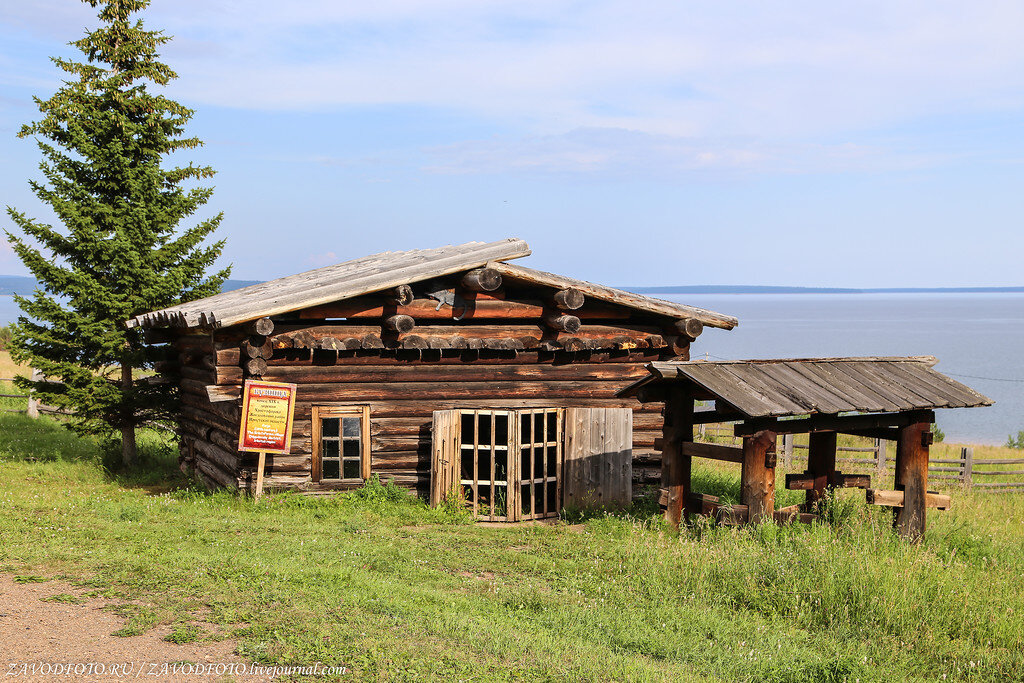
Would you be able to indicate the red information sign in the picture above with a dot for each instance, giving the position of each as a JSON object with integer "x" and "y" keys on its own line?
{"x": 267, "y": 410}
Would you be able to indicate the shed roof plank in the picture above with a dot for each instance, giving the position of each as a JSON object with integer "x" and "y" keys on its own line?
{"x": 792, "y": 387}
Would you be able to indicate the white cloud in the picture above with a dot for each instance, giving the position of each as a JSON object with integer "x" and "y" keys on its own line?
{"x": 687, "y": 74}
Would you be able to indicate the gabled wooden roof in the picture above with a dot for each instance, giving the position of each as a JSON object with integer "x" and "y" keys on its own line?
{"x": 364, "y": 275}
{"x": 390, "y": 269}
{"x": 790, "y": 387}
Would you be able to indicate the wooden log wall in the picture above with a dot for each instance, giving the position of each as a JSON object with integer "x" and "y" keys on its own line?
{"x": 503, "y": 355}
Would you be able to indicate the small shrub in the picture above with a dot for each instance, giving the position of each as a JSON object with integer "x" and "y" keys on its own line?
{"x": 30, "y": 578}
{"x": 938, "y": 435}
{"x": 1015, "y": 441}
{"x": 184, "y": 633}
{"x": 5, "y": 338}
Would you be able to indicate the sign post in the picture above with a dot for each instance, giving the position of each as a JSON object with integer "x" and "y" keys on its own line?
{"x": 267, "y": 412}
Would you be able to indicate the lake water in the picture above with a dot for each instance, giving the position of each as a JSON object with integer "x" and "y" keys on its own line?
{"x": 978, "y": 339}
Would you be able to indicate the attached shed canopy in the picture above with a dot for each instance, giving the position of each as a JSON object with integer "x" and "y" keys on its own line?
{"x": 792, "y": 387}
{"x": 391, "y": 269}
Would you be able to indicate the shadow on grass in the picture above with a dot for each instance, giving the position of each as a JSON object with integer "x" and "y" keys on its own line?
{"x": 47, "y": 440}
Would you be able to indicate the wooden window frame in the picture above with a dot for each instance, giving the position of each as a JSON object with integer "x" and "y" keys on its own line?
{"x": 339, "y": 411}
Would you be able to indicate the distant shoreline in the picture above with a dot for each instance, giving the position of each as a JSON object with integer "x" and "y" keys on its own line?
{"x": 20, "y": 284}
{"x": 754, "y": 289}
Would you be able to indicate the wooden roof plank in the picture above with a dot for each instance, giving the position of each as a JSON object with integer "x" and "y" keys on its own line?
{"x": 735, "y": 392}
{"x": 823, "y": 401}
{"x": 958, "y": 394}
{"x": 874, "y": 401}
{"x": 617, "y": 296}
{"x": 784, "y": 399}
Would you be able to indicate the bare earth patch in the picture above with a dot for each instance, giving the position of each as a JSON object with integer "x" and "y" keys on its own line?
{"x": 54, "y": 623}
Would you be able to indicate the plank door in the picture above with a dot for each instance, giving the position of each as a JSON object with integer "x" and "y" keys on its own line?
{"x": 598, "y": 469}
{"x": 444, "y": 459}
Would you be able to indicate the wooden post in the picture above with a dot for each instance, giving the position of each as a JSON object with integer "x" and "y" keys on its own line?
{"x": 787, "y": 451}
{"x": 482, "y": 280}
{"x": 912, "y": 479}
{"x": 675, "y": 467}
{"x": 880, "y": 462}
{"x": 258, "y": 492}
{"x": 967, "y": 460}
{"x": 821, "y": 464}
{"x": 33, "y": 403}
{"x": 399, "y": 323}
{"x": 757, "y": 484}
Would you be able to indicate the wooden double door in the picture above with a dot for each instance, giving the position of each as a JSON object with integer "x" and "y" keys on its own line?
{"x": 527, "y": 463}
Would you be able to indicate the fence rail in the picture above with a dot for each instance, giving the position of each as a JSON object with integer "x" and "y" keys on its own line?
{"x": 32, "y": 407}
{"x": 963, "y": 469}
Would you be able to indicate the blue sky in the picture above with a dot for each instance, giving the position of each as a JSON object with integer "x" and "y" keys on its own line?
{"x": 643, "y": 143}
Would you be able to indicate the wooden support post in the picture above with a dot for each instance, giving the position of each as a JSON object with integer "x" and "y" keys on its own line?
{"x": 821, "y": 464}
{"x": 912, "y": 479}
{"x": 675, "y": 466}
{"x": 757, "y": 483}
{"x": 258, "y": 491}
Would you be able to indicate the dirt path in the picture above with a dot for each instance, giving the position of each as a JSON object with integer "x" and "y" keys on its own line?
{"x": 49, "y": 635}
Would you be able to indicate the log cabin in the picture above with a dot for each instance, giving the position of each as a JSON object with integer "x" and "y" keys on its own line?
{"x": 447, "y": 369}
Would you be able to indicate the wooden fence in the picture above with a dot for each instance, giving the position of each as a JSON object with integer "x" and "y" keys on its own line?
{"x": 32, "y": 407}
{"x": 965, "y": 469}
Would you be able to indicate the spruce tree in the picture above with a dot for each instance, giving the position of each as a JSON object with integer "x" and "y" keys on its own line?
{"x": 115, "y": 249}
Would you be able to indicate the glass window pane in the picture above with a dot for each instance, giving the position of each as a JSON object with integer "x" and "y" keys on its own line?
{"x": 330, "y": 469}
{"x": 351, "y": 448}
{"x": 329, "y": 448}
{"x": 350, "y": 426}
{"x": 329, "y": 426}
{"x": 352, "y": 469}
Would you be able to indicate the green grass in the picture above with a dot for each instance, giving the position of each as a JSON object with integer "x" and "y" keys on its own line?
{"x": 376, "y": 581}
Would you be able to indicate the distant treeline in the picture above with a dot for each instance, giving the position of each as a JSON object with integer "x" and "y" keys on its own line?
{"x": 21, "y": 284}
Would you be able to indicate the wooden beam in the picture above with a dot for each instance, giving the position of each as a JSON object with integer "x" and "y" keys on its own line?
{"x": 687, "y": 327}
{"x": 260, "y": 326}
{"x": 713, "y": 451}
{"x": 895, "y": 499}
{"x": 757, "y": 480}
{"x": 887, "y": 433}
{"x": 568, "y": 299}
{"x": 401, "y": 295}
{"x": 806, "y": 482}
{"x": 833, "y": 423}
{"x": 562, "y": 322}
{"x": 482, "y": 280}
{"x": 399, "y": 323}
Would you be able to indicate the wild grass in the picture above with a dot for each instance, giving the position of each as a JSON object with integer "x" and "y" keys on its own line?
{"x": 376, "y": 581}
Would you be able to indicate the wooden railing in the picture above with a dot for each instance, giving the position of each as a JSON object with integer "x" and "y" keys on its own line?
{"x": 965, "y": 469}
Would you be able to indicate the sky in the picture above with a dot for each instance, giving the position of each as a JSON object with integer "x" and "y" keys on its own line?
{"x": 807, "y": 143}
